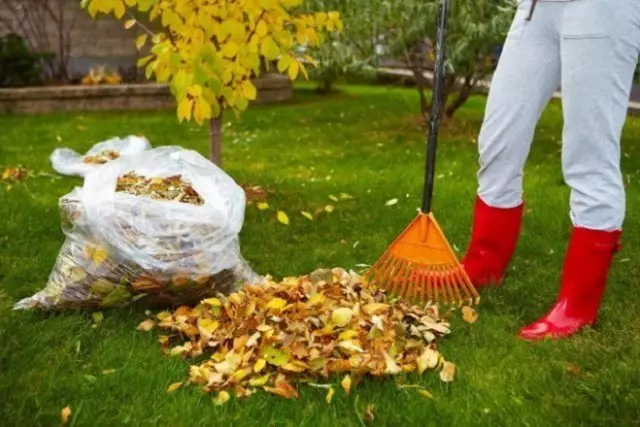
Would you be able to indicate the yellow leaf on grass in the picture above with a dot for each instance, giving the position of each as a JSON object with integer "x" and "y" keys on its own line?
{"x": 427, "y": 360}
{"x": 222, "y": 398}
{"x": 330, "y": 394}
{"x": 147, "y": 325}
{"x": 307, "y": 215}
{"x": 65, "y": 414}
{"x": 108, "y": 371}
{"x": 283, "y": 218}
{"x": 345, "y": 196}
{"x": 173, "y": 387}
{"x": 391, "y": 202}
{"x": 334, "y": 198}
{"x": 425, "y": 393}
{"x": 469, "y": 315}
{"x": 263, "y": 206}
{"x": 448, "y": 372}
{"x": 346, "y": 384}
{"x": 329, "y": 208}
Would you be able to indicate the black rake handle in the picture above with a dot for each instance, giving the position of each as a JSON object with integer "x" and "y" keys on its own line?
{"x": 432, "y": 138}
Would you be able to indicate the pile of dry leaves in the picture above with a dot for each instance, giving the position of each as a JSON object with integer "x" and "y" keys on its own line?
{"x": 15, "y": 174}
{"x": 330, "y": 322}
{"x": 101, "y": 158}
{"x": 170, "y": 188}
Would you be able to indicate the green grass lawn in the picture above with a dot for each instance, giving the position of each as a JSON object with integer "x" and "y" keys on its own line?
{"x": 365, "y": 142}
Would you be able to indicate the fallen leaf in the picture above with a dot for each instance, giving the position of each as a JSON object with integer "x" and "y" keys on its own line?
{"x": 329, "y": 208}
{"x": 448, "y": 372}
{"x": 346, "y": 384}
{"x": 342, "y": 316}
{"x": 307, "y": 215}
{"x": 283, "y": 388}
{"x": 392, "y": 367}
{"x": 368, "y": 413}
{"x": 97, "y": 317}
{"x": 222, "y": 398}
{"x": 573, "y": 369}
{"x": 173, "y": 387}
{"x": 215, "y": 302}
{"x": 276, "y": 304}
{"x": 253, "y": 340}
{"x": 283, "y": 218}
{"x": 108, "y": 371}
{"x": 425, "y": 393}
{"x": 330, "y": 394}
{"x": 351, "y": 346}
{"x": 263, "y": 206}
{"x": 427, "y": 360}
{"x": 259, "y": 366}
{"x": 65, "y": 414}
{"x": 345, "y": 196}
{"x": 259, "y": 381}
{"x": 334, "y": 198}
{"x": 147, "y": 325}
{"x": 274, "y": 356}
{"x": 391, "y": 202}
{"x": 469, "y": 314}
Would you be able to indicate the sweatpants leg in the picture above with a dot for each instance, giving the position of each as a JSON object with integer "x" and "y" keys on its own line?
{"x": 527, "y": 75}
{"x": 599, "y": 53}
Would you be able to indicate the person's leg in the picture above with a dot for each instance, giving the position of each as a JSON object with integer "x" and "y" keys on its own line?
{"x": 599, "y": 55}
{"x": 527, "y": 75}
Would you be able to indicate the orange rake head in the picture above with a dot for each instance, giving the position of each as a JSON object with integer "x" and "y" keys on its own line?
{"x": 421, "y": 265}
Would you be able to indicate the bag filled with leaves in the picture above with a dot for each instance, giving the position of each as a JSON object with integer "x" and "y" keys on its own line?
{"x": 162, "y": 226}
{"x": 68, "y": 162}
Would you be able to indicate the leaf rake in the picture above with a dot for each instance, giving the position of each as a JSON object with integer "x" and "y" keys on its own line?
{"x": 420, "y": 264}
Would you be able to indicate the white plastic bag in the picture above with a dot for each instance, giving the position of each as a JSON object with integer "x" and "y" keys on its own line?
{"x": 70, "y": 162}
{"x": 121, "y": 247}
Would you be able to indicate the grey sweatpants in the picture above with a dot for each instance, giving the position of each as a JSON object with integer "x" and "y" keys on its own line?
{"x": 590, "y": 48}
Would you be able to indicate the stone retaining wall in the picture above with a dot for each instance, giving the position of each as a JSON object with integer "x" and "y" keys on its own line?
{"x": 37, "y": 100}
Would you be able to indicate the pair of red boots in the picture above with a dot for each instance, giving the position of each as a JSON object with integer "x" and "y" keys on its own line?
{"x": 584, "y": 276}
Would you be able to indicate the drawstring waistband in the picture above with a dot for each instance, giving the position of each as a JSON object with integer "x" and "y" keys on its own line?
{"x": 533, "y": 8}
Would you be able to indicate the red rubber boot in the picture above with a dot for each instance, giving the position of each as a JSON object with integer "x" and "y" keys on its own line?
{"x": 493, "y": 241}
{"x": 584, "y": 277}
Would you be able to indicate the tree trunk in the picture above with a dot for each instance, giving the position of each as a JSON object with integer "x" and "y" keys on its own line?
{"x": 327, "y": 86}
{"x": 463, "y": 96}
{"x": 215, "y": 137}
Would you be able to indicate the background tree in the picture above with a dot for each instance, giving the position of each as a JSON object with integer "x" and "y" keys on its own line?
{"x": 210, "y": 50}
{"x": 46, "y": 27}
{"x": 406, "y": 30}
